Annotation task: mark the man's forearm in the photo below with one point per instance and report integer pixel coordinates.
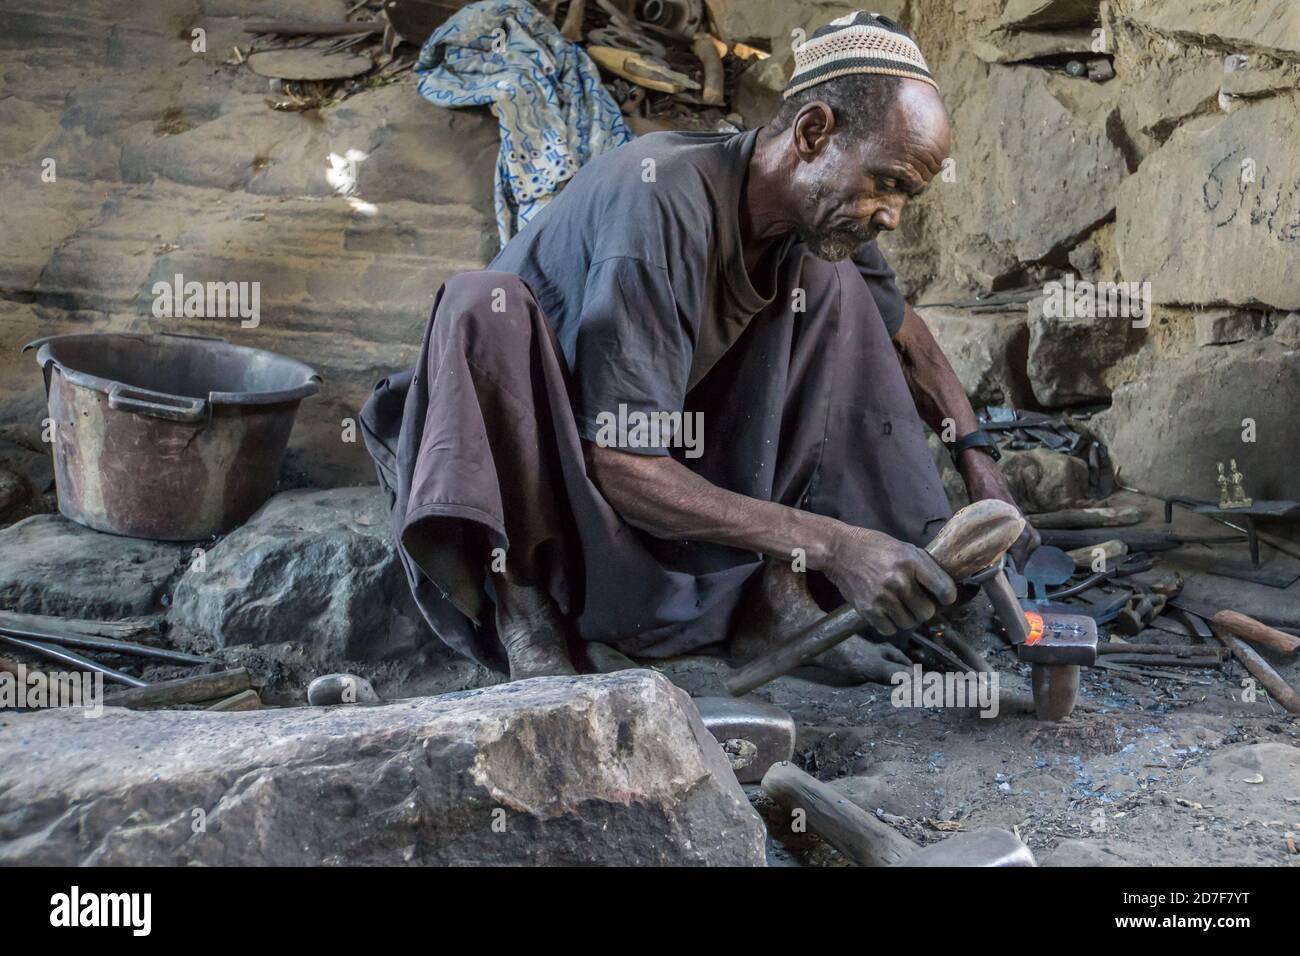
(661, 496)
(892, 584)
(938, 393)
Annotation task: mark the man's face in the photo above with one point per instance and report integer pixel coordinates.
(855, 186)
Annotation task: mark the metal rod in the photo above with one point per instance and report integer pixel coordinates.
(103, 644)
(76, 660)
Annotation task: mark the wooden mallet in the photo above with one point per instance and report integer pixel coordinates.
(972, 540)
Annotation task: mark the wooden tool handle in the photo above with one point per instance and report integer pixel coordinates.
(973, 539)
(830, 815)
(1278, 689)
(1256, 632)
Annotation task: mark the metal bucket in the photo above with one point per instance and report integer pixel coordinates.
(173, 437)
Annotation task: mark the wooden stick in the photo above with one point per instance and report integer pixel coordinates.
(830, 815)
(314, 28)
(185, 690)
(1085, 558)
(1278, 689)
(704, 47)
(571, 29)
(244, 700)
(1256, 632)
(1087, 518)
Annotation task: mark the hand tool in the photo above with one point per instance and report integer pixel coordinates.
(1132, 564)
(53, 652)
(1278, 689)
(1240, 625)
(1006, 606)
(974, 538)
(990, 847)
(829, 814)
(108, 645)
(1046, 567)
(767, 727)
(641, 70)
(1138, 612)
(868, 841)
(1058, 645)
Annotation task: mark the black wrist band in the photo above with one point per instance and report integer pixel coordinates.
(976, 439)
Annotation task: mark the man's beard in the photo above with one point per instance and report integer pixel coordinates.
(836, 243)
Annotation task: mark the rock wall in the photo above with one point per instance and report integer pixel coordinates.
(1145, 141)
(168, 161)
(1136, 141)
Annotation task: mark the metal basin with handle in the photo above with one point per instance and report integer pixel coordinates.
(172, 437)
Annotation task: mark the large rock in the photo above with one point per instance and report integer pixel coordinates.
(317, 567)
(610, 769)
(1169, 426)
(50, 565)
(1069, 358)
(987, 351)
(1264, 26)
(1213, 216)
(1040, 14)
(1044, 480)
(1002, 211)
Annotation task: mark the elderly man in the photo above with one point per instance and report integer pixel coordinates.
(694, 359)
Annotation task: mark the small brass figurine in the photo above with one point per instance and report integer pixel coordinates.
(1231, 492)
(1239, 499)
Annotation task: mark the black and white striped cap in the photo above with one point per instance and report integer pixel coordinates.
(857, 43)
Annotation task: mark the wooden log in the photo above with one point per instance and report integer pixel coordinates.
(1278, 689)
(974, 538)
(120, 630)
(1087, 518)
(244, 700)
(185, 690)
(830, 815)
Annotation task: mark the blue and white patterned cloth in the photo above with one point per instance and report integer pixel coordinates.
(553, 112)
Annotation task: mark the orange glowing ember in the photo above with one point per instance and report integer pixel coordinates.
(1035, 622)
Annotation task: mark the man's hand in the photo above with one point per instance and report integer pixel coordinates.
(893, 585)
(984, 479)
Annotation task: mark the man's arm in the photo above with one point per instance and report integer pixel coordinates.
(939, 399)
(894, 585)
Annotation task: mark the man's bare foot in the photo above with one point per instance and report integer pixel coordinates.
(532, 631)
(780, 605)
